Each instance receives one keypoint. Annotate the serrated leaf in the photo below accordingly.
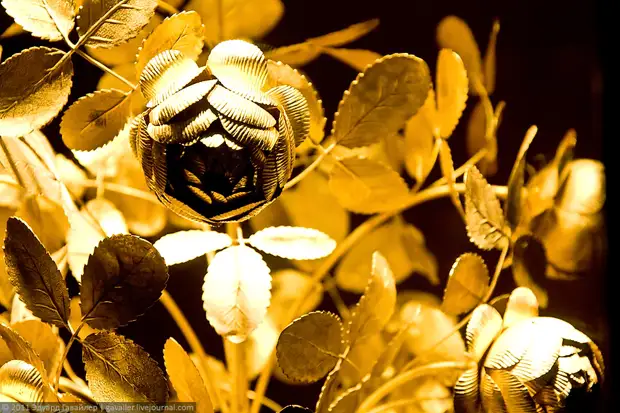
(374, 309)
(182, 31)
(47, 19)
(489, 59)
(453, 33)
(125, 19)
(295, 243)
(236, 292)
(381, 99)
(366, 187)
(310, 346)
(402, 245)
(95, 119)
(185, 377)
(420, 133)
(529, 265)
(124, 277)
(44, 342)
(183, 246)
(348, 400)
(118, 370)
(516, 180)
(484, 215)
(35, 275)
(451, 90)
(358, 59)
(30, 99)
(97, 219)
(467, 285)
(239, 19)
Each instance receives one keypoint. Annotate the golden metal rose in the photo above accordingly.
(214, 143)
(526, 363)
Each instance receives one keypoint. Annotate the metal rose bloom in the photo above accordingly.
(526, 363)
(215, 144)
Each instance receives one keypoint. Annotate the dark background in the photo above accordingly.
(549, 71)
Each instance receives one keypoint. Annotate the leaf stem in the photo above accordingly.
(235, 360)
(463, 168)
(167, 8)
(317, 161)
(72, 375)
(74, 335)
(119, 188)
(106, 69)
(194, 343)
(403, 378)
(71, 387)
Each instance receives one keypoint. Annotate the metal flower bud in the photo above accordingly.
(526, 363)
(215, 144)
(572, 229)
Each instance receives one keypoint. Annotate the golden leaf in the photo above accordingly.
(0, 53)
(295, 55)
(98, 218)
(123, 24)
(95, 119)
(239, 19)
(46, 219)
(295, 243)
(44, 341)
(76, 317)
(358, 59)
(447, 170)
(347, 401)
(283, 74)
(310, 346)
(374, 309)
(183, 246)
(529, 265)
(71, 175)
(360, 359)
(451, 91)
(236, 292)
(182, 31)
(21, 382)
(30, 99)
(401, 244)
(522, 305)
(346, 35)
(19, 311)
(35, 275)
(288, 285)
(467, 285)
(366, 187)
(477, 138)
(419, 140)
(515, 182)
(453, 33)
(128, 71)
(118, 370)
(124, 277)
(489, 59)
(185, 377)
(47, 19)
(381, 99)
(485, 219)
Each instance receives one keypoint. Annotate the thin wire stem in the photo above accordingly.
(118, 188)
(167, 8)
(317, 161)
(106, 69)
(74, 335)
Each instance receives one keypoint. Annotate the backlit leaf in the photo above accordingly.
(30, 99)
(296, 243)
(47, 19)
(420, 135)
(295, 55)
(401, 244)
(19, 311)
(124, 276)
(118, 370)
(467, 285)
(182, 31)
(310, 346)
(358, 59)
(451, 91)
(95, 119)
(447, 170)
(35, 275)
(185, 377)
(236, 292)
(381, 99)
(366, 187)
(289, 286)
(529, 265)
(515, 182)
(374, 309)
(44, 341)
(98, 218)
(453, 33)
(346, 35)
(484, 215)
(184, 246)
(348, 400)
(239, 19)
(489, 59)
(126, 20)
(361, 358)
(260, 344)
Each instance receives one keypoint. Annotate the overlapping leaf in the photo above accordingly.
(118, 370)
(514, 202)
(122, 20)
(47, 19)
(297, 243)
(236, 292)
(30, 99)
(124, 276)
(44, 342)
(35, 275)
(184, 246)
(358, 59)
(447, 170)
(381, 99)
(467, 285)
(419, 140)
